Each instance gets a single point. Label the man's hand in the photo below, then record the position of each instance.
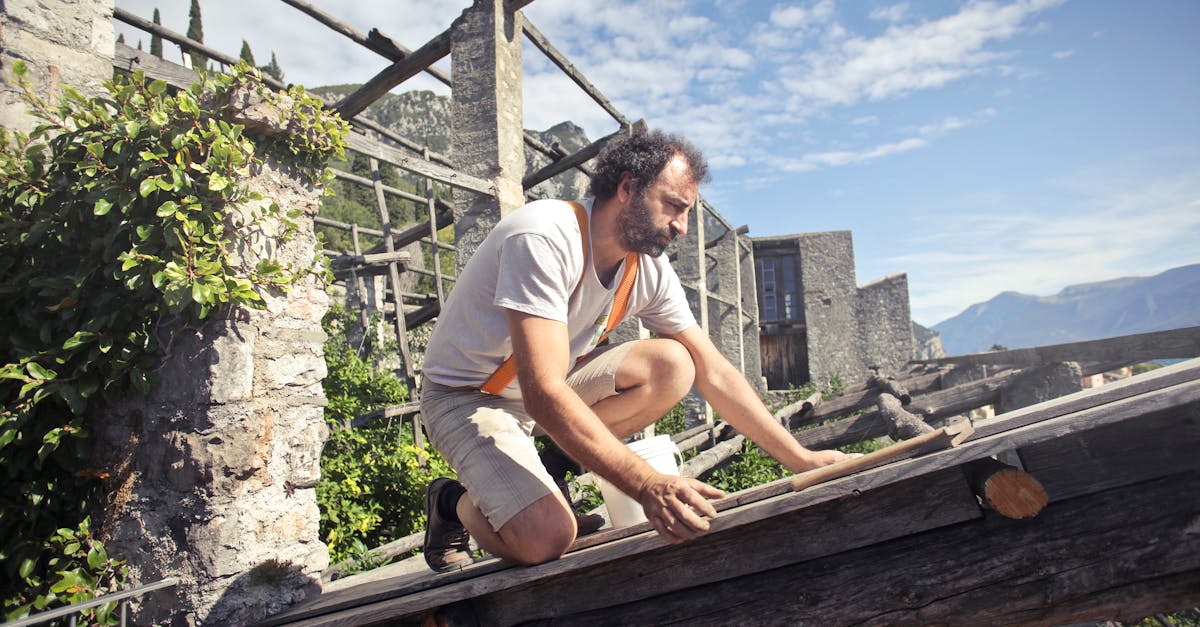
(675, 506)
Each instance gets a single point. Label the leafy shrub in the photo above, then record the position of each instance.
(373, 482)
(121, 217)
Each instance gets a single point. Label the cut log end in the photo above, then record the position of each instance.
(1015, 494)
(1006, 490)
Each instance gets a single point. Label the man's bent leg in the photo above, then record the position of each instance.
(513, 507)
(539, 533)
(650, 377)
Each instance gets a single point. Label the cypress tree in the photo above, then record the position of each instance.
(272, 69)
(195, 32)
(121, 38)
(246, 55)
(155, 40)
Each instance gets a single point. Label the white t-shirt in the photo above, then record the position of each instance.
(533, 262)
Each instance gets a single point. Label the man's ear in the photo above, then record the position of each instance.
(626, 187)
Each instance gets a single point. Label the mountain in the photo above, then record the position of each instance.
(1124, 306)
(424, 117)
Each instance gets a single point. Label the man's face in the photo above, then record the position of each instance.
(657, 213)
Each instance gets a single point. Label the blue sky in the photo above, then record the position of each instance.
(978, 146)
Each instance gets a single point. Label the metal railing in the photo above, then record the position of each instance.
(73, 610)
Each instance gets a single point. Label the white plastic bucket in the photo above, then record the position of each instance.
(663, 455)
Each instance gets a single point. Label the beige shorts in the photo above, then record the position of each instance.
(488, 440)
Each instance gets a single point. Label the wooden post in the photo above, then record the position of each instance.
(702, 286)
(393, 276)
(431, 208)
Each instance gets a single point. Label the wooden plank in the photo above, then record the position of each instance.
(945, 437)
(843, 525)
(1121, 555)
(1174, 344)
(1152, 446)
(396, 157)
(396, 73)
(126, 59)
(869, 513)
(1093, 397)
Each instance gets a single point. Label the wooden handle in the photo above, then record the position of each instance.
(945, 437)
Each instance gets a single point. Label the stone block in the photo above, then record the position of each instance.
(1040, 384)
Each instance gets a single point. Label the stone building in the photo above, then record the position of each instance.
(816, 322)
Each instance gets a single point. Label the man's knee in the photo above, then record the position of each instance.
(539, 533)
(671, 361)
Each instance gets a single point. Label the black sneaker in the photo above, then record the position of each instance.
(447, 544)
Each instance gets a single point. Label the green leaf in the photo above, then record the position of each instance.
(147, 187)
(96, 557)
(158, 118)
(37, 371)
(80, 338)
(102, 207)
(166, 209)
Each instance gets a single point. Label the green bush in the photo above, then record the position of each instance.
(373, 477)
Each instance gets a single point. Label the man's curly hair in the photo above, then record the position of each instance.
(644, 155)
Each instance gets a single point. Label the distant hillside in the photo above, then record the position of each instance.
(1124, 306)
(424, 117)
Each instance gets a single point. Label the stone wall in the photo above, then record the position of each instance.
(829, 297)
(885, 323)
(214, 472)
(63, 42)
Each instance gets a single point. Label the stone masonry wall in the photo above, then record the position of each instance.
(214, 473)
(885, 322)
(830, 300)
(63, 42)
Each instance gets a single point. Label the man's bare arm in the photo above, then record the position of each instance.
(731, 396)
(541, 354)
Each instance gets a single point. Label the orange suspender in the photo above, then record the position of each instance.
(507, 371)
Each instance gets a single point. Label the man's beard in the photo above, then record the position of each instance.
(638, 230)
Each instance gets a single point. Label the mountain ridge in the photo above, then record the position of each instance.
(1086, 311)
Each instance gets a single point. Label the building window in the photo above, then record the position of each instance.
(790, 297)
(767, 272)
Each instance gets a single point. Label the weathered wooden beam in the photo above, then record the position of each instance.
(1163, 393)
(393, 75)
(713, 457)
(1174, 344)
(376, 41)
(366, 182)
(416, 165)
(557, 58)
(391, 411)
(797, 409)
(383, 131)
(945, 437)
(1117, 555)
(901, 425)
(577, 158)
(130, 60)
(889, 385)
(963, 398)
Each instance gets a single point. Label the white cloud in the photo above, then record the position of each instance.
(894, 13)
(799, 17)
(1063, 54)
(813, 161)
(1101, 226)
(866, 119)
(905, 59)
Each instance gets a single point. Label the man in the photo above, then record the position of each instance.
(537, 290)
